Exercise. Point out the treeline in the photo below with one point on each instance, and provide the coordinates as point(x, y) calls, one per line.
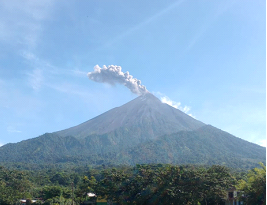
point(141, 184)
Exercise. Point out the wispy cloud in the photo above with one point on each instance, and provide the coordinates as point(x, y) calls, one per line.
point(42, 71)
point(12, 129)
point(71, 89)
point(36, 78)
point(168, 101)
point(174, 104)
point(38, 66)
point(145, 22)
point(34, 61)
point(21, 26)
point(222, 8)
point(44, 74)
point(191, 115)
point(78, 72)
point(23, 21)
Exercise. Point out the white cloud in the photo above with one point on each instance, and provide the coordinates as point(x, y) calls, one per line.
point(145, 22)
point(186, 109)
point(174, 104)
point(222, 8)
point(22, 21)
point(168, 101)
point(36, 78)
point(70, 88)
point(43, 71)
point(263, 143)
point(192, 116)
point(80, 73)
point(21, 26)
point(36, 62)
point(12, 129)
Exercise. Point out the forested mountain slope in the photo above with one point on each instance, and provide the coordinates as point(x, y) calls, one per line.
point(141, 131)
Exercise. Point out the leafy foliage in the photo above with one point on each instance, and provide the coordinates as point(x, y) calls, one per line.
point(165, 184)
point(13, 186)
point(141, 184)
point(254, 186)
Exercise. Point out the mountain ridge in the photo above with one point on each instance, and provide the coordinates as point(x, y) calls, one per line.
point(144, 130)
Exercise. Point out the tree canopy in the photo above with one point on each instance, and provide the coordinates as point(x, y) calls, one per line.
point(140, 184)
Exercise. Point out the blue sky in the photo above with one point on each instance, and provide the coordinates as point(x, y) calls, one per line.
point(207, 58)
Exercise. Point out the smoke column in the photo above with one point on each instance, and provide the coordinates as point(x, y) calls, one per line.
point(113, 74)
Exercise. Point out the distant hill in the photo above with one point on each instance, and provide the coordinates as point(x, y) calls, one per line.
point(143, 130)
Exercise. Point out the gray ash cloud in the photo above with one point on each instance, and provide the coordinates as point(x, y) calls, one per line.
point(112, 75)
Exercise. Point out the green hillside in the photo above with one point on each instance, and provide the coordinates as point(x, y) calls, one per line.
point(143, 130)
point(205, 146)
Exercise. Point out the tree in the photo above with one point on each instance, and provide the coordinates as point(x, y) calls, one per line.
point(165, 184)
point(50, 192)
point(214, 183)
point(255, 186)
point(28, 202)
point(13, 186)
point(85, 186)
point(60, 178)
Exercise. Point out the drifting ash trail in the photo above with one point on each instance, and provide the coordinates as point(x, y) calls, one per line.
point(113, 75)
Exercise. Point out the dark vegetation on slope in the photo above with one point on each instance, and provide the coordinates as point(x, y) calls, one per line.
point(142, 131)
point(205, 146)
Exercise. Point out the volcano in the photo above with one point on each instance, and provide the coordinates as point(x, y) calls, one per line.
point(146, 116)
point(144, 130)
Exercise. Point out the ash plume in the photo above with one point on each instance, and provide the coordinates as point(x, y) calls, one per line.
point(113, 75)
